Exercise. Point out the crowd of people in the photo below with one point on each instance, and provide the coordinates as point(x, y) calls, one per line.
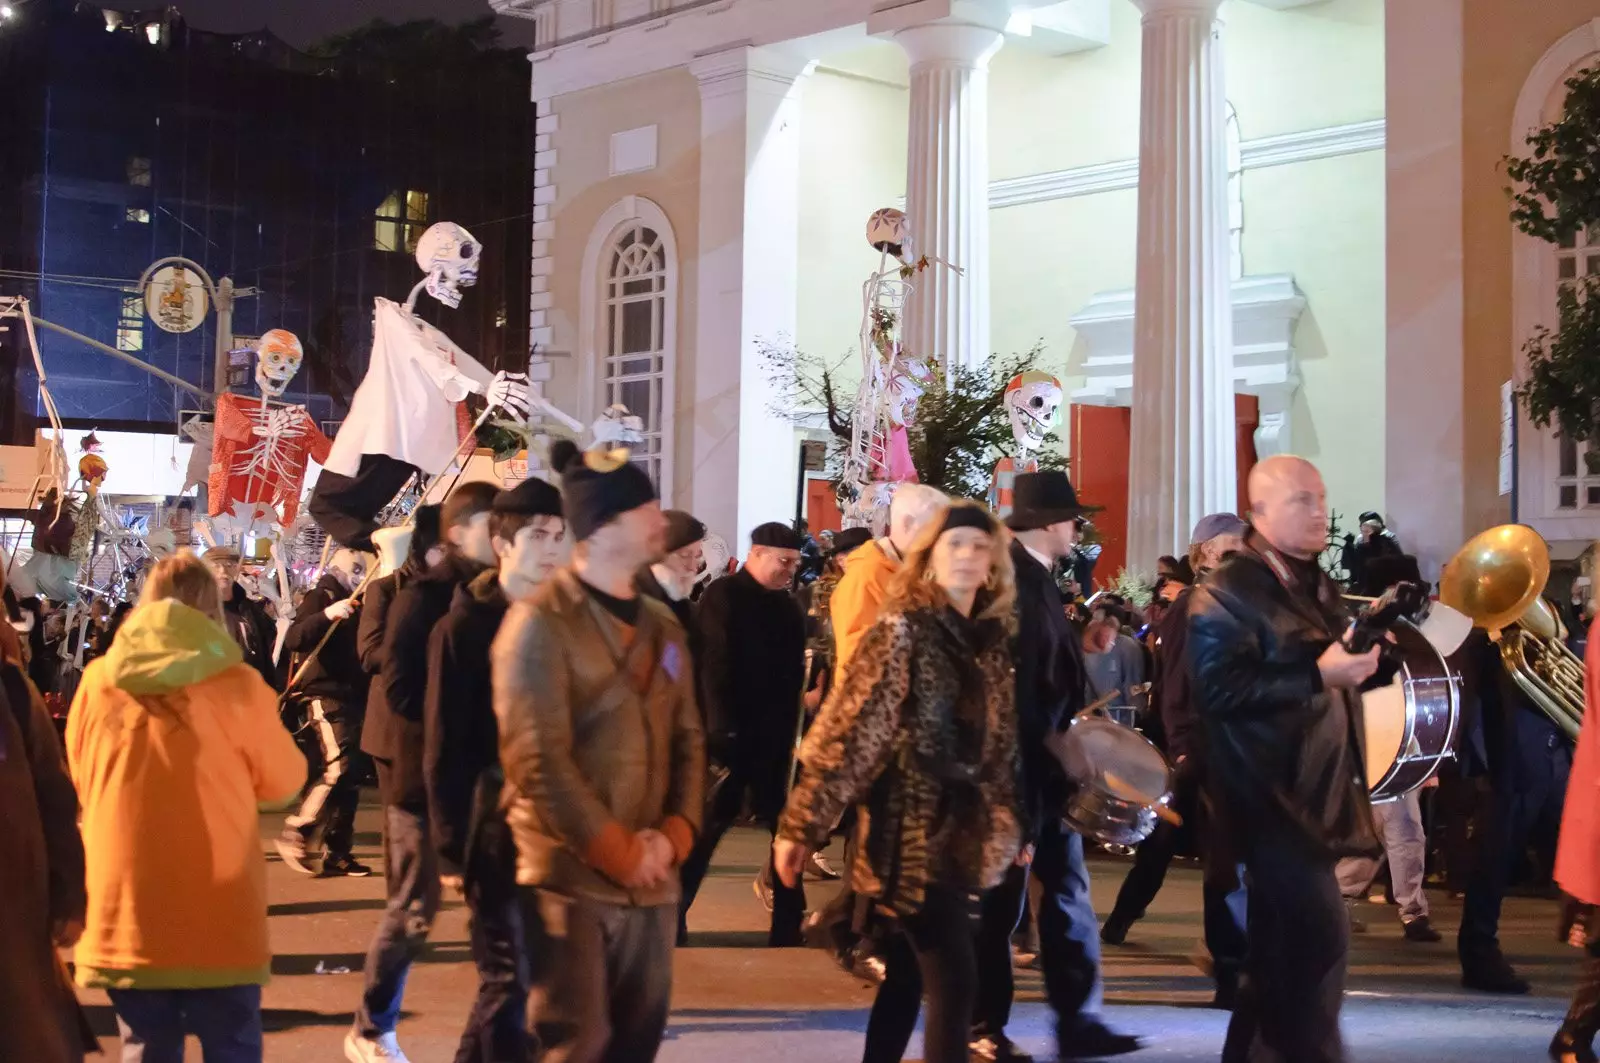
point(565, 720)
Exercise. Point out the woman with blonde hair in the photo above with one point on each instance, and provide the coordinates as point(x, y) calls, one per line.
point(174, 743)
point(921, 732)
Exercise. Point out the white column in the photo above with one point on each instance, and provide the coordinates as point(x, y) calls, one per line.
point(743, 457)
point(947, 188)
point(1181, 464)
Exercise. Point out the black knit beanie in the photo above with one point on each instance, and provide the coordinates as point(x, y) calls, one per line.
point(591, 498)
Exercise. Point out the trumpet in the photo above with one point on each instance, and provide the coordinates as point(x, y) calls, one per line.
point(1498, 579)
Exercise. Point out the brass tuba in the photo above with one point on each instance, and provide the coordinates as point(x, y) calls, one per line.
point(1497, 579)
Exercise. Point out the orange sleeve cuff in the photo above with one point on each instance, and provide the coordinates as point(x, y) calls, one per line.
point(680, 834)
point(616, 852)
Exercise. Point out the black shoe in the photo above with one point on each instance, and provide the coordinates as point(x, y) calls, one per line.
point(997, 1050)
point(1419, 929)
point(1115, 932)
point(344, 867)
point(1096, 1042)
point(1493, 975)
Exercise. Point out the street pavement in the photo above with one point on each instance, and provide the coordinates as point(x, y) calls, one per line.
point(735, 1001)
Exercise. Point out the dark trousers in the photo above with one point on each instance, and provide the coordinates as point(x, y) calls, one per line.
point(329, 806)
point(601, 978)
point(153, 1023)
point(1287, 1010)
point(931, 958)
point(1222, 892)
point(411, 878)
point(1528, 790)
point(1069, 938)
point(497, 1029)
point(788, 903)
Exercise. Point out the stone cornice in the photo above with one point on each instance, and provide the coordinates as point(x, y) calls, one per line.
point(743, 68)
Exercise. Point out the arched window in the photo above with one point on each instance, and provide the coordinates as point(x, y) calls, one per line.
point(1577, 480)
point(631, 266)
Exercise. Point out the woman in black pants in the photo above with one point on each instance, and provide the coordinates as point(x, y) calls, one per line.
point(921, 733)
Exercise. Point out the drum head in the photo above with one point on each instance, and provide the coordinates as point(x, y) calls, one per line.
point(1385, 713)
point(1115, 759)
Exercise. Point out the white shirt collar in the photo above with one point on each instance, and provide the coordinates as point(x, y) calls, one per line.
point(1037, 556)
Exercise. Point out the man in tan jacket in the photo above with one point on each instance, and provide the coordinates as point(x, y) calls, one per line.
point(604, 759)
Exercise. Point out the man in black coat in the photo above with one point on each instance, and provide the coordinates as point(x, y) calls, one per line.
point(671, 580)
point(1049, 683)
point(411, 872)
point(333, 693)
point(1278, 700)
point(246, 619)
point(461, 762)
point(1215, 537)
point(751, 641)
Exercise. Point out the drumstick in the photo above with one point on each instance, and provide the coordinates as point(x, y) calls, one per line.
point(1161, 810)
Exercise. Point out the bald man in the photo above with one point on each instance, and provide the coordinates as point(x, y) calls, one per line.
point(1278, 702)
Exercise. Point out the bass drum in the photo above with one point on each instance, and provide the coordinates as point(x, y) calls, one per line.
point(1411, 724)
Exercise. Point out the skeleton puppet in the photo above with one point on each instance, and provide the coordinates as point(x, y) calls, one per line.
point(1033, 402)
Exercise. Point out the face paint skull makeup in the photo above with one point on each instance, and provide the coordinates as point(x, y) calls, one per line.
point(278, 359)
point(449, 255)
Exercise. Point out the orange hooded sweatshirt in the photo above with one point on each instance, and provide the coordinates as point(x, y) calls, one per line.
point(173, 744)
point(858, 597)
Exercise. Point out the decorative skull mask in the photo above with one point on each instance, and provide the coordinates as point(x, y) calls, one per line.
point(1033, 402)
point(278, 359)
point(449, 255)
point(907, 382)
point(887, 231)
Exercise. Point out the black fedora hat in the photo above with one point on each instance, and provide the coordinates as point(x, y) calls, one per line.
point(1040, 499)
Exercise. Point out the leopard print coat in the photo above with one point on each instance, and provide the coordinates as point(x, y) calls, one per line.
point(921, 735)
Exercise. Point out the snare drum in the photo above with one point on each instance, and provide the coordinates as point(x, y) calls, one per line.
point(1119, 774)
point(1410, 725)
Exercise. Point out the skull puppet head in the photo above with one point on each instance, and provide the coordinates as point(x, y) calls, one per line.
point(1033, 402)
point(887, 231)
point(278, 359)
point(449, 255)
point(907, 382)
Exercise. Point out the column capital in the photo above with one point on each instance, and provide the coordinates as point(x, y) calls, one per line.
point(954, 43)
point(777, 70)
point(1158, 8)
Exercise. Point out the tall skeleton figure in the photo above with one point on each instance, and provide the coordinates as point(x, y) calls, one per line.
point(891, 380)
point(1033, 403)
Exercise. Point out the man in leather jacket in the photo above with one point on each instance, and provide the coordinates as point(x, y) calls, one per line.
point(1277, 697)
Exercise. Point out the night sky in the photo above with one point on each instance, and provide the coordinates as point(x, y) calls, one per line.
point(303, 22)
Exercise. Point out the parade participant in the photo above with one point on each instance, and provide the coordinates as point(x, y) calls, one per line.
point(750, 637)
point(333, 691)
point(671, 580)
point(411, 872)
point(422, 552)
point(1215, 537)
point(174, 742)
point(1578, 872)
point(868, 570)
point(604, 759)
point(936, 762)
point(41, 873)
point(245, 618)
point(1049, 690)
point(461, 763)
point(1277, 697)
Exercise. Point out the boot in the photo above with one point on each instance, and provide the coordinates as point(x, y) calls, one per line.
point(1574, 1043)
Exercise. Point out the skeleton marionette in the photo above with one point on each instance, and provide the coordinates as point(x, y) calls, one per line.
point(1033, 402)
point(407, 415)
point(260, 447)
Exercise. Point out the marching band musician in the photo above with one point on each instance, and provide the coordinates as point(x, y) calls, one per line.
point(1277, 697)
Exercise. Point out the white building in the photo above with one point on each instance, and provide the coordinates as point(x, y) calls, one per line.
point(1303, 194)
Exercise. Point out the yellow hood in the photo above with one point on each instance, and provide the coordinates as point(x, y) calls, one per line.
point(165, 646)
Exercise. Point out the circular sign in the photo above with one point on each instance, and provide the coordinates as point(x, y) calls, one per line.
point(176, 300)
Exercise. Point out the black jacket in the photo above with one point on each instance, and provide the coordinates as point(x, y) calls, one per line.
point(461, 739)
point(1049, 664)
point(255, 632)
point(336, 672)
point(1179, 724)
point(418, 605)
point(751, 646)
point(645, 582)
point(377, 731)
point(1285, 754)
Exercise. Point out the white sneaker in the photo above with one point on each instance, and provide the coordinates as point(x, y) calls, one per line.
point(385, 1048)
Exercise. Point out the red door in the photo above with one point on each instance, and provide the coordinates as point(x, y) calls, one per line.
point(1099, 469)
point(822, 507)
point(1246, 418)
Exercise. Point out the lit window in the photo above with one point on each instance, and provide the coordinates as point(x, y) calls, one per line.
point(130, 323)
point(137, 214)
point(634, 333)
point(1577, 479)
point(139, 172)
point(400, 222)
